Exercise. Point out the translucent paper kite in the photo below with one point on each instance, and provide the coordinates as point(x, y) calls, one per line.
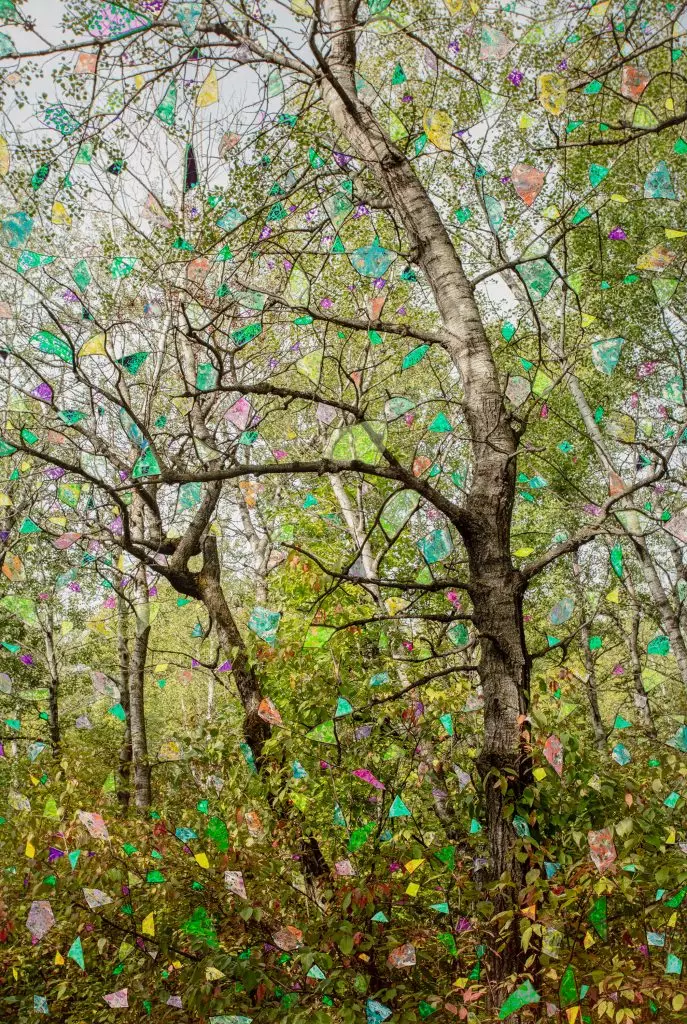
point(553, 752)
point(376, 1012)
point(95, 824)
point(113, 22)
point(235, 884)
point(602, 849)
point(288, 938)
point(117, 1000)
point(264, 624)
point(96, 898)
point(372, 260)
point(402, 956)
point(40, 919)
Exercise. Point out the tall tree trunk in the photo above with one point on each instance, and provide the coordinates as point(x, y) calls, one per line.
point(663, 606)
point(496, 587)
point(53, 684)
point(640, 697)
point(137, 667)
point(206, 586)
point(591, 686)
point(590, 681)
point(211, 698)
point(125, 754)
point(256, 731)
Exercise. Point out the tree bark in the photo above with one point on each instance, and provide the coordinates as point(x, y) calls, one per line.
point(137, 667)
point(497, 587)
point(592, 687)
point(640, 696)
point(125, 753)
point(53, 685)
point(669, 619)
point(590, 681)
point(256, 732)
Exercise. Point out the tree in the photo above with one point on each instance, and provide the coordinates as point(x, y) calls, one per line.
point(262, 354)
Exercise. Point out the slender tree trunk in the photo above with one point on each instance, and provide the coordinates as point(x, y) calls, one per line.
point(663, 606)
point(53, 685)
point(211, 697)
point(680, 572)
point(206, 586)
point(356, 530)
point(256, 731)
point(592, 688)
point(137, 667)
point(640, 696)
point(496, 587)
point(125, 754)
point(590, 681)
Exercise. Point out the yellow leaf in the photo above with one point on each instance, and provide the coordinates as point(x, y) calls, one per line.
point(613, 596)
point(148, 924)
point(671, 837)
point(201, 859)
point(539, 774)
point(525, 121)
point(571, 1013)
point(212, 974)
point(454, 6)
point(413, 865)
point(301, 7)
point(672, 920)
point(438, 127)
point(678, 1001)
point(30, 850)
point(523, 552)
point(588, 940)
point(209, 92)
point(139, 82)
point(413, 889)
point(59, 959)
point(587, 320)
point(674, 233)
point(5, 501)
point(618, 197)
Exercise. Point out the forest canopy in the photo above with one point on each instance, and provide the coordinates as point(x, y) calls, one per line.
point(343, 508)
